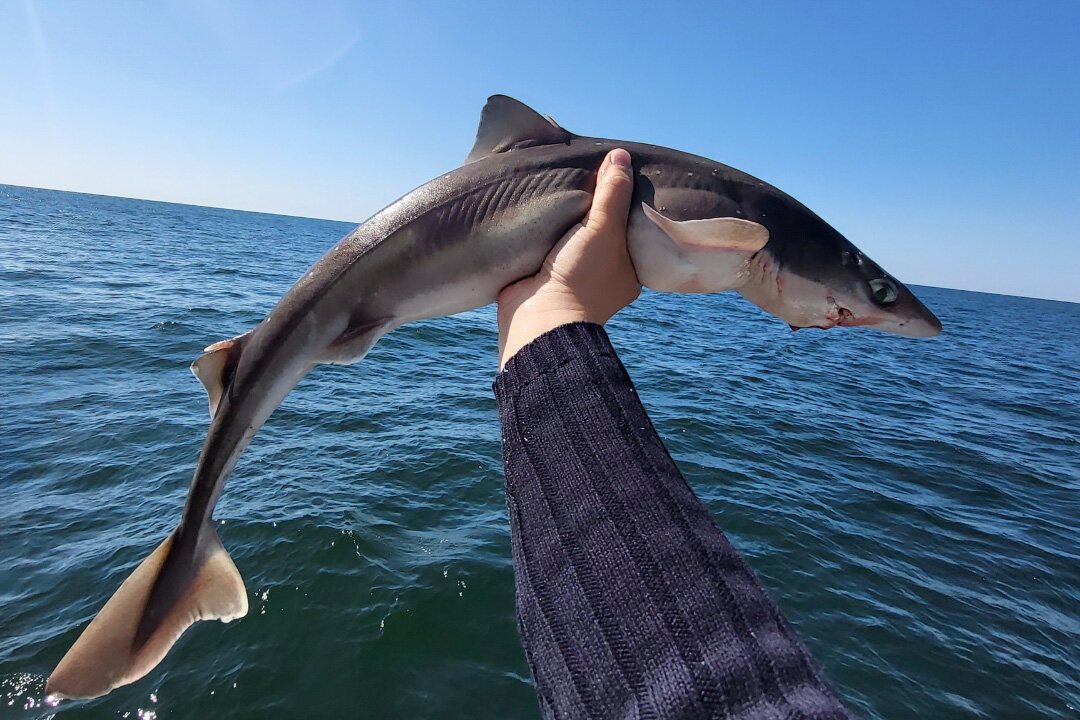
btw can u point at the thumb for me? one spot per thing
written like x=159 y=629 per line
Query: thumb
x=614 y=189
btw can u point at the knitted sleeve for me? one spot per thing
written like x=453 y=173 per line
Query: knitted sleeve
x=630 y=602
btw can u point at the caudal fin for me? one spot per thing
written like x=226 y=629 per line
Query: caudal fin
x=108 y=655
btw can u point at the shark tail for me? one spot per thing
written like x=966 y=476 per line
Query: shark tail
x=169 y=592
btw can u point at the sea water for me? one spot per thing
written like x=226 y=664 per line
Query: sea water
x=912 y=505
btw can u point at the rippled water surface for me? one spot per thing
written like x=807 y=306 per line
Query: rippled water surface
x=914 y=506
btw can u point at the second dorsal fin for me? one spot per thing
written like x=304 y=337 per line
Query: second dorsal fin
x=216 y=367
x=506 y=124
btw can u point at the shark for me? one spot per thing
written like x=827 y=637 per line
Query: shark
x=695 y=226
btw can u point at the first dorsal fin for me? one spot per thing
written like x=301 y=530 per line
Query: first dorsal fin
x=215 y=368
x=507 y=124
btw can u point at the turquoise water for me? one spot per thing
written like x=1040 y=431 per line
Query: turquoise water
x=913 y=506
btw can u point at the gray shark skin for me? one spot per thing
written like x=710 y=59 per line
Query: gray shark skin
x=449 y=246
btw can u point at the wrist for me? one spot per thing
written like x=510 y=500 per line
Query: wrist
x=522 y=323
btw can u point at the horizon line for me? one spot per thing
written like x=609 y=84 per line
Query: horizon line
x=306 y=217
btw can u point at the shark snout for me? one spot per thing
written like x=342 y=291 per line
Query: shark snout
x=917 y=328
x=921 y=323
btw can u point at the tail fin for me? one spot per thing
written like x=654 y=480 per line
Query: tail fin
x=107 y=653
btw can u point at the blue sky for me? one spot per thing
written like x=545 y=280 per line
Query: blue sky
x=943 y=138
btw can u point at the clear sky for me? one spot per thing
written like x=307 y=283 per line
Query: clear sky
x=942 y=138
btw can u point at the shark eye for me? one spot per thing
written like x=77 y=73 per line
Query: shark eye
x=883 y=291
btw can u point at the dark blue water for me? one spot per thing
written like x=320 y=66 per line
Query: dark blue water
x=914 y=506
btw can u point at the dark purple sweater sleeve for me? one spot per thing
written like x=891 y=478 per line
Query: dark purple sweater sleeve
x=630 y=602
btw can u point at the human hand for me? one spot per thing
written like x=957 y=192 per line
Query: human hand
x=588 y=275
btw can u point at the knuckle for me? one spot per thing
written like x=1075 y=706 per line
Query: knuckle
x=622 y=180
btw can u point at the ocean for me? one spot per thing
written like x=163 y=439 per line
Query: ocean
x=912 y=505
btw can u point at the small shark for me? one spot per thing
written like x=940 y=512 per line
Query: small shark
x=448 y=246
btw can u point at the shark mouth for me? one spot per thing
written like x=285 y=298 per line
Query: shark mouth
x=836 y=315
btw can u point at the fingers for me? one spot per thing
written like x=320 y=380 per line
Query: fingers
x=614 y=189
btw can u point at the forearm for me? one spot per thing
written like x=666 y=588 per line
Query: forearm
x=630 y=601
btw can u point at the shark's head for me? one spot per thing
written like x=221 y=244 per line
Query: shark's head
x=854 y=291
x=810 y=275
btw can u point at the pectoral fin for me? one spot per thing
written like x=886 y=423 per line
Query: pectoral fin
x=716 y=234
x=693 y=256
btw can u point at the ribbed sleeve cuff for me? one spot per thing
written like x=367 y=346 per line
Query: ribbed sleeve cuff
x=554 y=351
